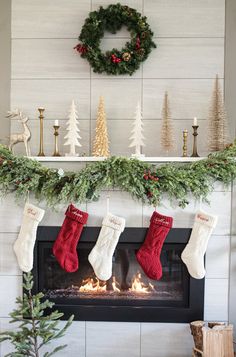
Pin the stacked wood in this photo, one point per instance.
(213, 345)
(213, 324)
(196, 331)
(214, 340)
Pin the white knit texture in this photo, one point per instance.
(101, 255)
(24, 244)
(193, 254)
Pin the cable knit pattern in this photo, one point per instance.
(101, 255)
(193, 254)
(65, 245)
(148, 255)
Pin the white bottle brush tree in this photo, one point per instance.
(72, 137)
(137, 138)
(167, 132)
(217, 122)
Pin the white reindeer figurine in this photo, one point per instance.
(20, 137)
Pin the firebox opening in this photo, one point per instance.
(129, 295)
(128, 281)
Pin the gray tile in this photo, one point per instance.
(165, 340)
(74, 339)
(120, 203)
(8, 261)
(202, 58)
(216, 300)
(105, 339)
(183, 18)
(48, 19)
(10, 214)
(121, 96)
(11, 287)
(6, 346)
(217, 257)
(54, 95)
(45, 58)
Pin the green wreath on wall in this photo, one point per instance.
(115, 62)
(145, 182)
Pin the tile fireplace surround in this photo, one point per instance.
(121, 339)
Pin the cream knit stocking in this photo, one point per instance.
(193, 254)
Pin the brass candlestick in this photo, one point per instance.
(185, 141)
(56, 134)
(195, 134)
(41, 152)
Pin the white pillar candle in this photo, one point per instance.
(195, 121)
(56, 123)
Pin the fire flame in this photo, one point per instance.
(139, 287)
(94, 285)
(114, 285)
(91, 285)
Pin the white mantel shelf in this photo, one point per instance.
(95, 159)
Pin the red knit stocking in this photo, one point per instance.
(65, 245)
(148, 255)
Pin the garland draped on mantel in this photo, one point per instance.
(144, 181)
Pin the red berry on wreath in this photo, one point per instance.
(80, 48)
(145, 177)
(150, 194)
(137, 43)
(115, 59)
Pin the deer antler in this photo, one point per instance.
(13, 113)
(17, 113)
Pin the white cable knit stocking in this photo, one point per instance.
(24, 245)
(193, 254)
(101, 255)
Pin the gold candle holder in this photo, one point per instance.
(195, 134)
(41, 152)
(56, 134)
(185, 142)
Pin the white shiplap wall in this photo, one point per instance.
(46, 72)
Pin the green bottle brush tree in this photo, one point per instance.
(36, 328)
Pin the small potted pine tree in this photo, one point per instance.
(36, 328)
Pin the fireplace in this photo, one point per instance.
(129, 295)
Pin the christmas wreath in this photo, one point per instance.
(146, 182)
(124, 61)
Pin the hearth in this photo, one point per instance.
(129, 295)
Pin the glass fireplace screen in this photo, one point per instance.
(128, 285)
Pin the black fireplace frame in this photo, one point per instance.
(92, 312)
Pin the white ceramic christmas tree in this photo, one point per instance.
(72, 137)
(137, 138)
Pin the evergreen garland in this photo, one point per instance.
(115, 62)
(144, 181)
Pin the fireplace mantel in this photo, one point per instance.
(157, 159)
